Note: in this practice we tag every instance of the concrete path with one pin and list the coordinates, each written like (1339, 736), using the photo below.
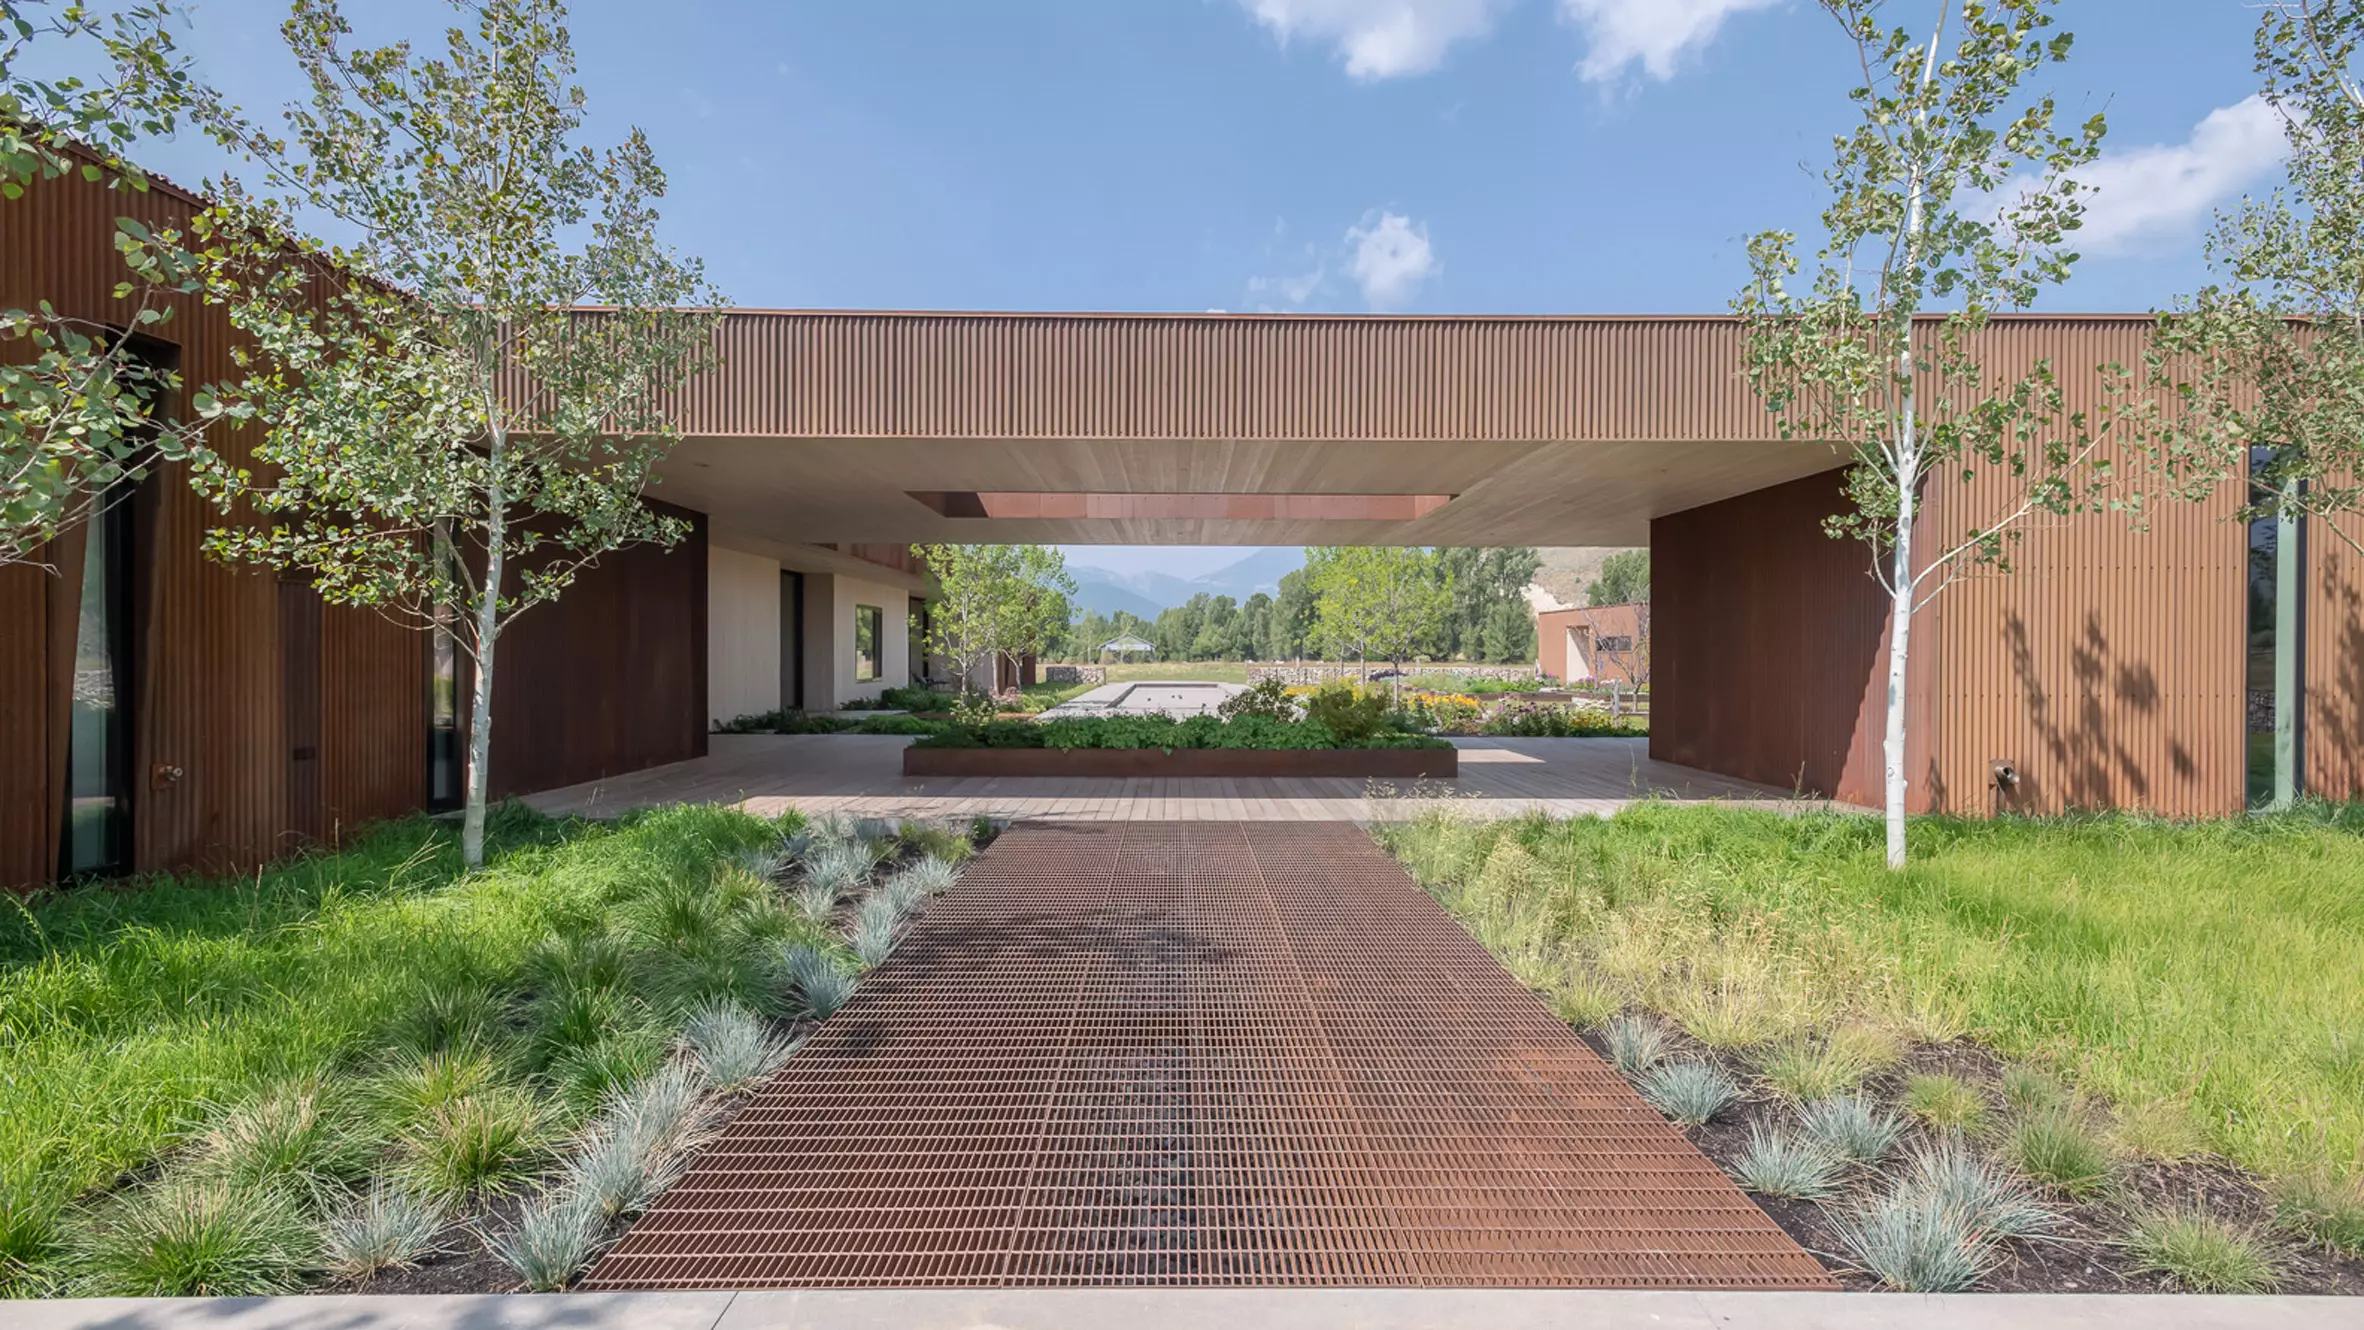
(861, 775)
(1197, 1309)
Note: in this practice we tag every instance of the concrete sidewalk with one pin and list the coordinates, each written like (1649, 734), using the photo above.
(1195, 1309)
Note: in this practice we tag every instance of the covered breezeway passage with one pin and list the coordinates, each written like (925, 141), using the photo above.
(860, 775)
(1198, 1054)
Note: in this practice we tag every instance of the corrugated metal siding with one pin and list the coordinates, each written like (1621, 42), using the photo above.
(609, 678)
(1034, 376)
(210, 688)
(374, 748)
(2108, 665)
(2107, 668)
(2335, 660)
(1767, 637)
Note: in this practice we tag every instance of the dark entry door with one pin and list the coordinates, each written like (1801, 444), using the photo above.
(299, 680)
(792, 640)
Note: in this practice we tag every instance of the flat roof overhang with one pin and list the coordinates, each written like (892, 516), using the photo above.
(1149, 429)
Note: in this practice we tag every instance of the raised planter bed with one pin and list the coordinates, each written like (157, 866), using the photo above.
(1378, 763)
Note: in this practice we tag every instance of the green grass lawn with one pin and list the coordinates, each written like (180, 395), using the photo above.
(137, 1022)
(2210, 971)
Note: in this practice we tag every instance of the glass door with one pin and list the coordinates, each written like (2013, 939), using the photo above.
(97, 834)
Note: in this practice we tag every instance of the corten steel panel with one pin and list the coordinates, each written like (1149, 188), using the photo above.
(2107, 666)
(1197, 1054)
(1165, 376)
(208, 685)
(1767, 635)
(901, 558)
(611, 676)
(2334, 687)
(373, 756)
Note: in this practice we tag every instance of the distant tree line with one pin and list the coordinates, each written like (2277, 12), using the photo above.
(1485, 619)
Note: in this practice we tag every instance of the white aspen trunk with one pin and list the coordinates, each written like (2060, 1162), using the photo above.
(488, 631)
(1900, 619)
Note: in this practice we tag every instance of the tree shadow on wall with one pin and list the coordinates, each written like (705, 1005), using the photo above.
(2084, 761)
(2335, 706)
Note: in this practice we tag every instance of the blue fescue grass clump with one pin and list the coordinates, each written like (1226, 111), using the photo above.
(280, 1042)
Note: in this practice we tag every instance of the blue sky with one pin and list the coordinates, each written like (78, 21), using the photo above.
(1492, 156)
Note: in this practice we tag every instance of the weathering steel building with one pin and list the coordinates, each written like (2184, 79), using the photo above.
(199, 715)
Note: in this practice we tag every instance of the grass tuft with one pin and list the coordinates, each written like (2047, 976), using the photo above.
(875, 921)
(1852, 1128)
(1583, 999)
(1992, 1202)
(588, 1077)
(1636, 1043)
(553, 1241)
(1912, 1241)
(823, 986)
(1778, 1163)
(32, 1211)
(2059, 1148)
(491, 1141)
(1946, 1103)
(2159, 1130)
(187, 1238)
(390, 1228)
(2026, 1090)
(2322, 1210)
(291, 1134)
(1689, 1093)
(839, 869)
(734, 1047)
(2202, 1254)
(1804, 1070)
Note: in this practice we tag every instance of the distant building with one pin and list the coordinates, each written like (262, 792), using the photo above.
(1601, 644)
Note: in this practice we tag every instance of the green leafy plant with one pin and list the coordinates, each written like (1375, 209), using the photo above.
(388, 469)
(1352, 715)
(1266, 698)
(1946, 203)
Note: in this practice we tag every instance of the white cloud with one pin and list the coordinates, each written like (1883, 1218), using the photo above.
(1389, 258)
(1656, 34)
(1380, 39)
(1293, 289)
(2160, 192)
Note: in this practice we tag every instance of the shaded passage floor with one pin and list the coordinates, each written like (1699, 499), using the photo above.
(1198, 1053)
(861, 775)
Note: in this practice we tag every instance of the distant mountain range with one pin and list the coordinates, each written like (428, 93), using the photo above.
(1147, 594)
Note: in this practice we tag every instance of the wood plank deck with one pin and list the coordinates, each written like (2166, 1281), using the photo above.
(860, 775)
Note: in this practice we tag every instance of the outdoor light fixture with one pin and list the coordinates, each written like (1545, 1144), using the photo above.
(1070, 505)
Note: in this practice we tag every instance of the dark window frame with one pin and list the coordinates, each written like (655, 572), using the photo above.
(877, 634)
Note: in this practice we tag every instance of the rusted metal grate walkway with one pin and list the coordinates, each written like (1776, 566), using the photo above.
(1198, 1053)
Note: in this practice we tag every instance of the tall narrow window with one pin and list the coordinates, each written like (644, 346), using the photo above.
(445, 674)
(97, 836)
(869, 641)
(2276, 627)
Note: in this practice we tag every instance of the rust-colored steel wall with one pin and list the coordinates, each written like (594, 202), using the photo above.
(2108, 665)
(1167, 376)
(209, 692)
(2106, 668)
(2334, 689)
(609, 678)
(1766, 636)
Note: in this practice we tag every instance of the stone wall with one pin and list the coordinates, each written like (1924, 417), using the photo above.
(1094, 674)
